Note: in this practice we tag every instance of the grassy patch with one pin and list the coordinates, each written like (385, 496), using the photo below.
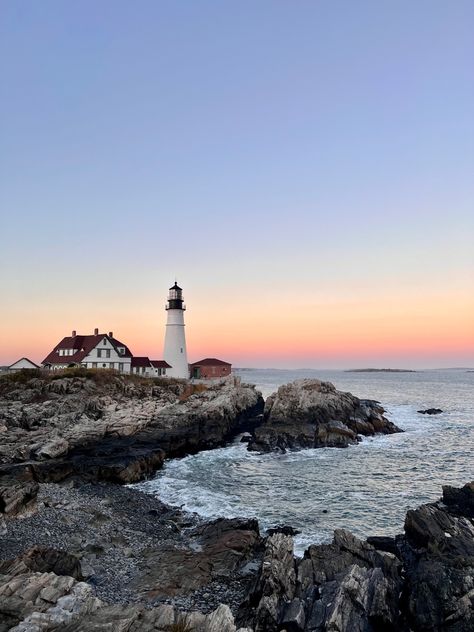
(102, 377)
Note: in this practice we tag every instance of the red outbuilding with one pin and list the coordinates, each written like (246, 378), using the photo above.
(210, 368)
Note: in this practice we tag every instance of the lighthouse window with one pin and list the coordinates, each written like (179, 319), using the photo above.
(181, 349)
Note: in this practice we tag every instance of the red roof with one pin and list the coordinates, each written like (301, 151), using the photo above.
(84, 345)
(140, 361)
(211, 362)
(160, 364)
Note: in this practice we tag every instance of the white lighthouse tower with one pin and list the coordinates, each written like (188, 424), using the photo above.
(175, 340)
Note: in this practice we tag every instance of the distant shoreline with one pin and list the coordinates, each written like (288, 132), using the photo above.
(380, 371)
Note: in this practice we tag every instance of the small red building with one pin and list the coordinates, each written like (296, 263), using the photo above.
(210, 368)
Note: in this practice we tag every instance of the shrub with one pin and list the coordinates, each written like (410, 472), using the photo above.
(22, 376)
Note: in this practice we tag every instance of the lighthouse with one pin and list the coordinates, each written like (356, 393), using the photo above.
(175, 340)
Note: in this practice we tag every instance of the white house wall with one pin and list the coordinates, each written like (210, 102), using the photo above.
(22, 364)
(94, 361)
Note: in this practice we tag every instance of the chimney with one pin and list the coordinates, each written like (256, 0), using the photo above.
(74, 333)
(111, 334)
(96, 332)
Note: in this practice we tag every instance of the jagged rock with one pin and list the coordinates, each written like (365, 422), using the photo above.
(276, 584)
(42, 559)
(310, 413)
(220, 547)
(460, 500)
(384, 543)
(16, 496)
(52, 449)
(346, 585)
(285, 529)
(438, 555)
(221, 620)
(430, 411)
(294, 618)
(362, 601)
(40, 601)
(118, 430)
(45, 602)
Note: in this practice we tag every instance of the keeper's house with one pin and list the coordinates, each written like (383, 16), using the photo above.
(210, 368)
(141, 365)
(98, 351)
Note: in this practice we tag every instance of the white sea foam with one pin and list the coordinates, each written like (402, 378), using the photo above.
(366, 488)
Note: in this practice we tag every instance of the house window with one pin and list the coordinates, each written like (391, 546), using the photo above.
(111, 365)
(107, 353)
(121, 367)
(94, 365)
(99, 353)
(105, 341)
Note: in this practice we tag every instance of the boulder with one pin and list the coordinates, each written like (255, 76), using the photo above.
(310, 414)
(44, 601)
(219, 549)
(52, 449)
(40, 559)
(17, 496)
(430, 411)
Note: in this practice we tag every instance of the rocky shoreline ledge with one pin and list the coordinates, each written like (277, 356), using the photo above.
(103, 554)
(95, 426)
(313, 414)
(81, 552)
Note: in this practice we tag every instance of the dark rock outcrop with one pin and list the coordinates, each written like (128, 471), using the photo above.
(219, 549)
(438, 554)
(117, 431)
(42, 559)
(310, 414)
(17, 496)
(420, 581)
(430, 411)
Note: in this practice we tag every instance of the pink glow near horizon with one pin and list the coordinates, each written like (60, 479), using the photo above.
(392, 332)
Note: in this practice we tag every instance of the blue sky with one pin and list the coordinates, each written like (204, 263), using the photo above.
(320, 148)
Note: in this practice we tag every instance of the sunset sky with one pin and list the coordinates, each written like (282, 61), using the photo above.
(304, 169)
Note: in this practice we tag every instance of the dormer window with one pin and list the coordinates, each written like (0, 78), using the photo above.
(121, 350)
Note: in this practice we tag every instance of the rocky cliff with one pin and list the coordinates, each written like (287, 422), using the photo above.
(312, 414)
(111, 427)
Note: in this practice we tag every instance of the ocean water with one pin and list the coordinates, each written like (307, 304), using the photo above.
(365, 488)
